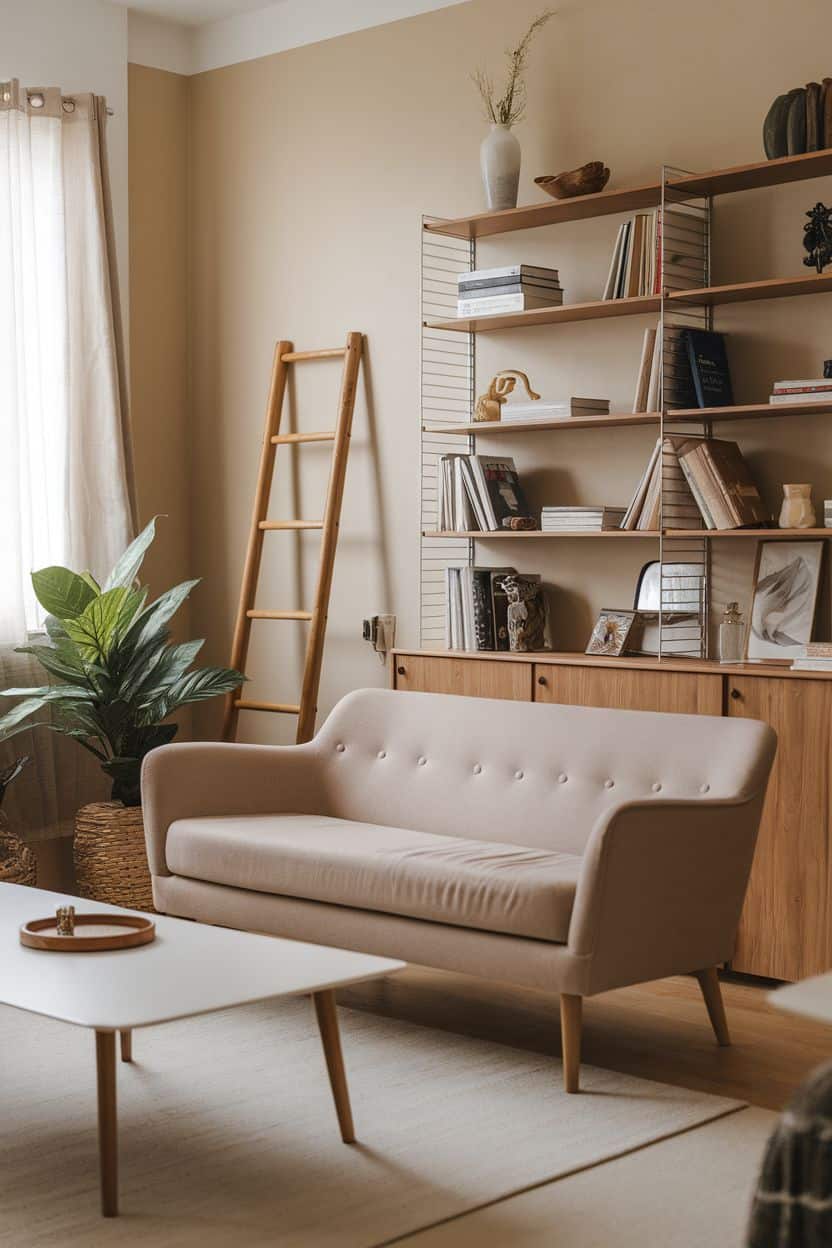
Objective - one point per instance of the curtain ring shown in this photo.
(36, 100)
(68, 105)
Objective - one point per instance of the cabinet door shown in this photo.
(783, 931)
(629, 688)
(475, 678)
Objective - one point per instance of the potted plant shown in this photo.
(117, 679)
(500, 150)
(18, 864)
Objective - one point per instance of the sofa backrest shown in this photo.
(526, 773)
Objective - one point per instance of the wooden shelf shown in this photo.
(776, 535)
(748, 411)
(748, 292)
(551, 212)
(569, 658)
(614, 419)
(757, 534)
(599, 309)
(752, 177)
(635, 198)
(501, 534)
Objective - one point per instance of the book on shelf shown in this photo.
(493, 305)
(819, 650)
(478, 492)
(813, 390)
(812, 665)
(709, 369)
(553, 409)
(581, 519)
(663, 495)
(652, 249)
(510, 272)
(469, 285)
(722, 484)
(645, 369)
(476, 608)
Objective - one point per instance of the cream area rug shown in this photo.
(228, 1133)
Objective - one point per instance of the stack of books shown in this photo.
(642, 261)
(581, 519)
(554, 409)
(818, 658)
(480, 492)
(510, 288)
(476, 608)
(815, 390)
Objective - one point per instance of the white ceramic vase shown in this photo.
(500, 164)
(798, 511)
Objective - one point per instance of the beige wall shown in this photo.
(309, 172)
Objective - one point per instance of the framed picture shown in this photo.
(786, 579)
(609, 636)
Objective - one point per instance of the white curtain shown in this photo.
(66, 479)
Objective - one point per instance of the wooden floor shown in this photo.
(658, 1031)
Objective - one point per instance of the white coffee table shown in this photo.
(189, 969)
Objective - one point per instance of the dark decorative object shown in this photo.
(527, 613)
(827, 368)
(799, 121)
(587, 180)
(817, 238)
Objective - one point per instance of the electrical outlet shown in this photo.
(380, 631)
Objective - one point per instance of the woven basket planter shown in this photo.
(110, 857)
(18, 864)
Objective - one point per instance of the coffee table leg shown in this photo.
(331, 1039)
(126, 1046)
(105, 1057)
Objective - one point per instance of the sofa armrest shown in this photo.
(661, 888)
(209, 778)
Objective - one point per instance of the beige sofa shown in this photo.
(565, 848)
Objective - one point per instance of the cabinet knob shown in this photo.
(735, 694)
(400, 671)
(541, 680)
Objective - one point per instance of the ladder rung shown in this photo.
(279, 615)
(291, 524)
(330, 353)
(281, 708)
(280, 439)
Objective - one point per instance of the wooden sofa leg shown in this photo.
(570, 1035)
(711, 991)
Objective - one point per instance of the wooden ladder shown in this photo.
(284, 357)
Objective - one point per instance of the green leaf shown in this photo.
(159, 612)
(170, 665)
(195, 687)
(91, 581)
(127, 568)
(62, 593)
(102, 622)
(49, 693)
(62, 661)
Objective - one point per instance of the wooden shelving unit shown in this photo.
(674, 306)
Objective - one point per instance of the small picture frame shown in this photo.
(784, 598)
(609, 636)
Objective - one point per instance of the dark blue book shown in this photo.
(709, 368)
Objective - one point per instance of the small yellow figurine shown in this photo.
(489, 405)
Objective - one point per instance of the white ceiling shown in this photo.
(193, 12)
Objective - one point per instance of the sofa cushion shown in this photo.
(482, 884)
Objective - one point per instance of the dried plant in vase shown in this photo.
(500, 150)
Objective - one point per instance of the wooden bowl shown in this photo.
(587, 180)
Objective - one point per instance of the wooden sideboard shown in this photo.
(786, 927)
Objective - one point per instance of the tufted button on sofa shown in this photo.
(565, 848)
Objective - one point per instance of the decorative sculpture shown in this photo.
(489, 405)
(527, 617)
(65, 916)
(817, 237)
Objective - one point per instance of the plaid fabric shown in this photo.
(793, 1204)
